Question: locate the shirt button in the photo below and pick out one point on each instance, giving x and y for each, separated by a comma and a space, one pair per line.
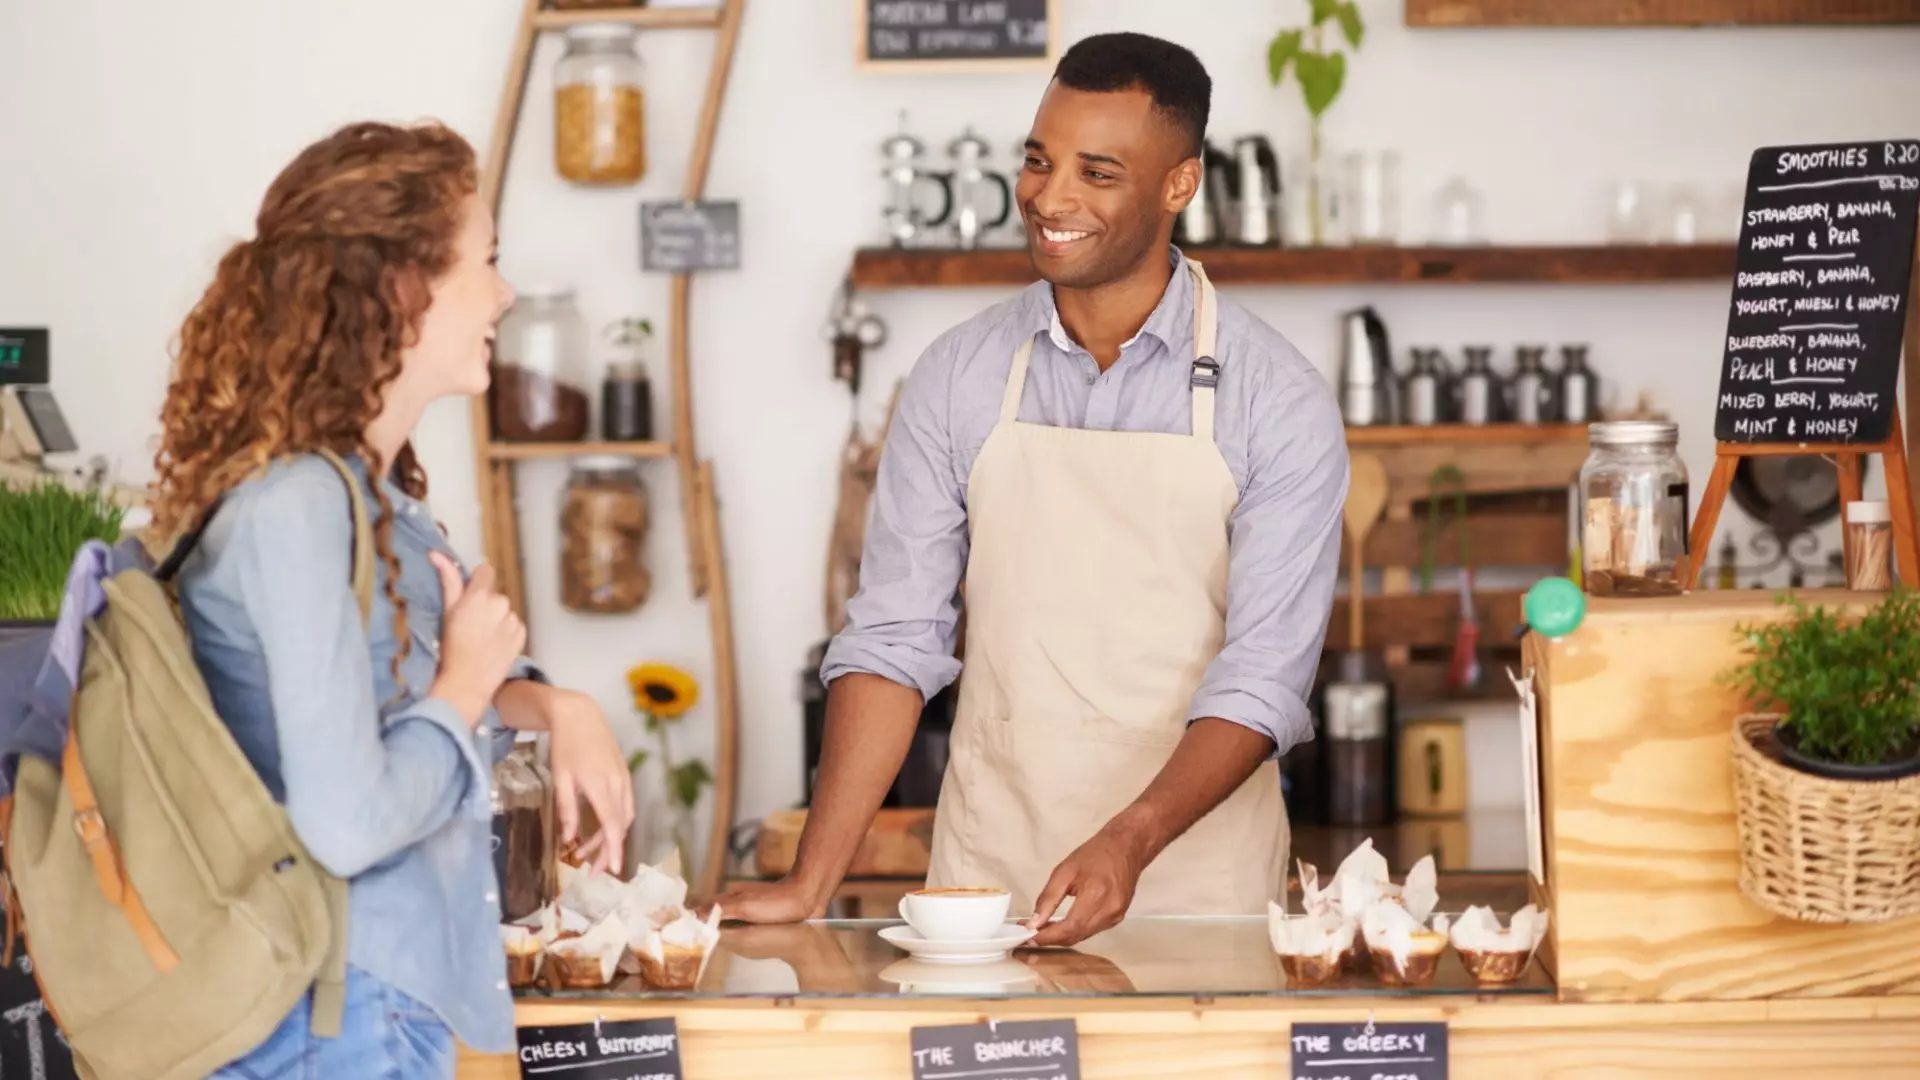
1089, 380
501, 985
492, 898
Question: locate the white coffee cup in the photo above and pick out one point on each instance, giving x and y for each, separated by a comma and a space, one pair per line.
956, 914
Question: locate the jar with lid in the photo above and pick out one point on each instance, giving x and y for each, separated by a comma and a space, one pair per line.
540, 370
1869, 546
1633, 509
523, 833
599, 109
626, 394
603, 529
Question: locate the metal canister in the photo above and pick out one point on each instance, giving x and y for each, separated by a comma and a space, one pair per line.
1476, 388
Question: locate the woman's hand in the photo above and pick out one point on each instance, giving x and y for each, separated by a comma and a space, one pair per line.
586, 763
480, 638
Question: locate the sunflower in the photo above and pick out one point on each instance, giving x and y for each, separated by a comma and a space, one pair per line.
662, 690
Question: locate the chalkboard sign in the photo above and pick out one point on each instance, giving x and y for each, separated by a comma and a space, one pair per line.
31, 1046
969, 33
678, 237
608, 1050
1015, 1050
1819, 291
1370, 1051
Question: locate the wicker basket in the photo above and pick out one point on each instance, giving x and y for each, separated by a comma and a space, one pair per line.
1820, 850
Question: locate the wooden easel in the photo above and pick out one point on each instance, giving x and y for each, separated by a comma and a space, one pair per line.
1846, 457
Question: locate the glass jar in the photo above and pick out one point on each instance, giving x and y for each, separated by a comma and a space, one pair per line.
1373, 197
603, 529
1869, 542
626, 403
540, 370
599, 124
523, 833
1633, 509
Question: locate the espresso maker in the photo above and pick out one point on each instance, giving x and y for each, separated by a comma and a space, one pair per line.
907, 222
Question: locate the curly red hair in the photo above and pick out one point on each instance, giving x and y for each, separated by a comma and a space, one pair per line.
292, 347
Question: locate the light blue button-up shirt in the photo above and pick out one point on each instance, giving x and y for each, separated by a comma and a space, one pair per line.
386, 787
1276, 422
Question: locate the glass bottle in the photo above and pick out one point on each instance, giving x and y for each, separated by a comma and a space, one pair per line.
540, 369
1633, 509
626, 394
603, 531
523, 833
599, 108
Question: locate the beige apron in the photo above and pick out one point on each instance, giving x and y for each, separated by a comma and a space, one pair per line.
1096, 597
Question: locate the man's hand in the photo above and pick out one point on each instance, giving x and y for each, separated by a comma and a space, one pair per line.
1100, 875
783, 901
586, 763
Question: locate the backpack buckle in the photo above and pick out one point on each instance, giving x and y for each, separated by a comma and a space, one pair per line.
89, 826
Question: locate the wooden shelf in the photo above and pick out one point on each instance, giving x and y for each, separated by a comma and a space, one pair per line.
645, 17
512, 451
1467, 435
903, 268
1443, 13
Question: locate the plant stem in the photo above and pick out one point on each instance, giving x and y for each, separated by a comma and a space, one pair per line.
1313, 166
680, 841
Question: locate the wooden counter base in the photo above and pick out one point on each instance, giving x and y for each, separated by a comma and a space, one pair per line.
1228, 1039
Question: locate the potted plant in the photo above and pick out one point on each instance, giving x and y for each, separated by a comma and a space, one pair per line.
1827, 777
42, 526
1321, 70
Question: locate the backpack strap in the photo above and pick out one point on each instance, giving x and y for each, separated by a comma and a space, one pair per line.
330, 986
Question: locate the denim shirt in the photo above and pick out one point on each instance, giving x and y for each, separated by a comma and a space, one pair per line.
386, 787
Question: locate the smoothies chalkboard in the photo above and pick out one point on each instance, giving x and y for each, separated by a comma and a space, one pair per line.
973, 33
1819, 294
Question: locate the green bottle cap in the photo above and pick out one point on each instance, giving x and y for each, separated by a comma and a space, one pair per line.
1554, 606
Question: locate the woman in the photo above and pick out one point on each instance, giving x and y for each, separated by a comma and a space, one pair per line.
369, 291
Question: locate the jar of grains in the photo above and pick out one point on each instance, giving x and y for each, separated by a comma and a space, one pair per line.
1633, 510
603, 529
599, 128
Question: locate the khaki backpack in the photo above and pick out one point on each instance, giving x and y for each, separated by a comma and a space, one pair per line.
172, 916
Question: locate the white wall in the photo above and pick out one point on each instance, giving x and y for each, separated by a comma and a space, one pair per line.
136, 140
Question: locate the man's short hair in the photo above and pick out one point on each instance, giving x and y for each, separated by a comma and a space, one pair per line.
1169, 73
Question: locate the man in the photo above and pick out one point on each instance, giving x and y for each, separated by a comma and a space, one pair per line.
1141, 485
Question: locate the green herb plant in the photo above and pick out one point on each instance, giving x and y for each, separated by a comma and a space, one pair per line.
1321, 72
1848, 689
41, 528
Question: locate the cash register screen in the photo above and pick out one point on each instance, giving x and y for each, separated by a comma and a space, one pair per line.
48, 425
24, 357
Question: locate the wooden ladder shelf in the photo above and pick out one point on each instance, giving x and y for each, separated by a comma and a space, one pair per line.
494, 462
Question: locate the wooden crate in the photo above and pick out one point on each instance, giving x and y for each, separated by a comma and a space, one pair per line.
1642, 850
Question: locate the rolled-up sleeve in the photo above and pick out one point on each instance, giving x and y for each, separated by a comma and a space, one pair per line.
1283, 561
360, 787
902, 622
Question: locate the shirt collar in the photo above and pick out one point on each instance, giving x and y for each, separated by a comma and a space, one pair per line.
1171, 322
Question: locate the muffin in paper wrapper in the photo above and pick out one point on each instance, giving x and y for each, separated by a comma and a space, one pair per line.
1493, 954
1405, 951
525, 942
1313, 947
673, 956
587, 962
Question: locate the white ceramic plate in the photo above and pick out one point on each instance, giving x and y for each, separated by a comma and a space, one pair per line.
1011, 936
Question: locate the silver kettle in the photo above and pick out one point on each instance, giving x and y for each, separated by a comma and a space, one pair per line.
1366, 370
1204, 221
1257, 220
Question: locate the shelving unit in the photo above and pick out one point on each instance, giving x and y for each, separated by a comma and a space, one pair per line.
904, 268
1440, 13
495, 461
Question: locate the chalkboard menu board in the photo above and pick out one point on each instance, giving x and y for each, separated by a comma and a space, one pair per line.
973, 32
608, 1050
1819, 294
1012, 1050
680, 237
1369, 1051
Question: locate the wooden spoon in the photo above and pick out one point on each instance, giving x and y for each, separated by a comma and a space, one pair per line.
1366, 498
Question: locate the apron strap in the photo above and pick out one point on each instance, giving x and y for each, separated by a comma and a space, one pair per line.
1206, 370
1016, 384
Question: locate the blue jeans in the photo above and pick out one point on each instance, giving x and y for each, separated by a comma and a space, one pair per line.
384, 1035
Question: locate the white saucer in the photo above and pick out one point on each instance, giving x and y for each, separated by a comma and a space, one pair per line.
1011, 936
